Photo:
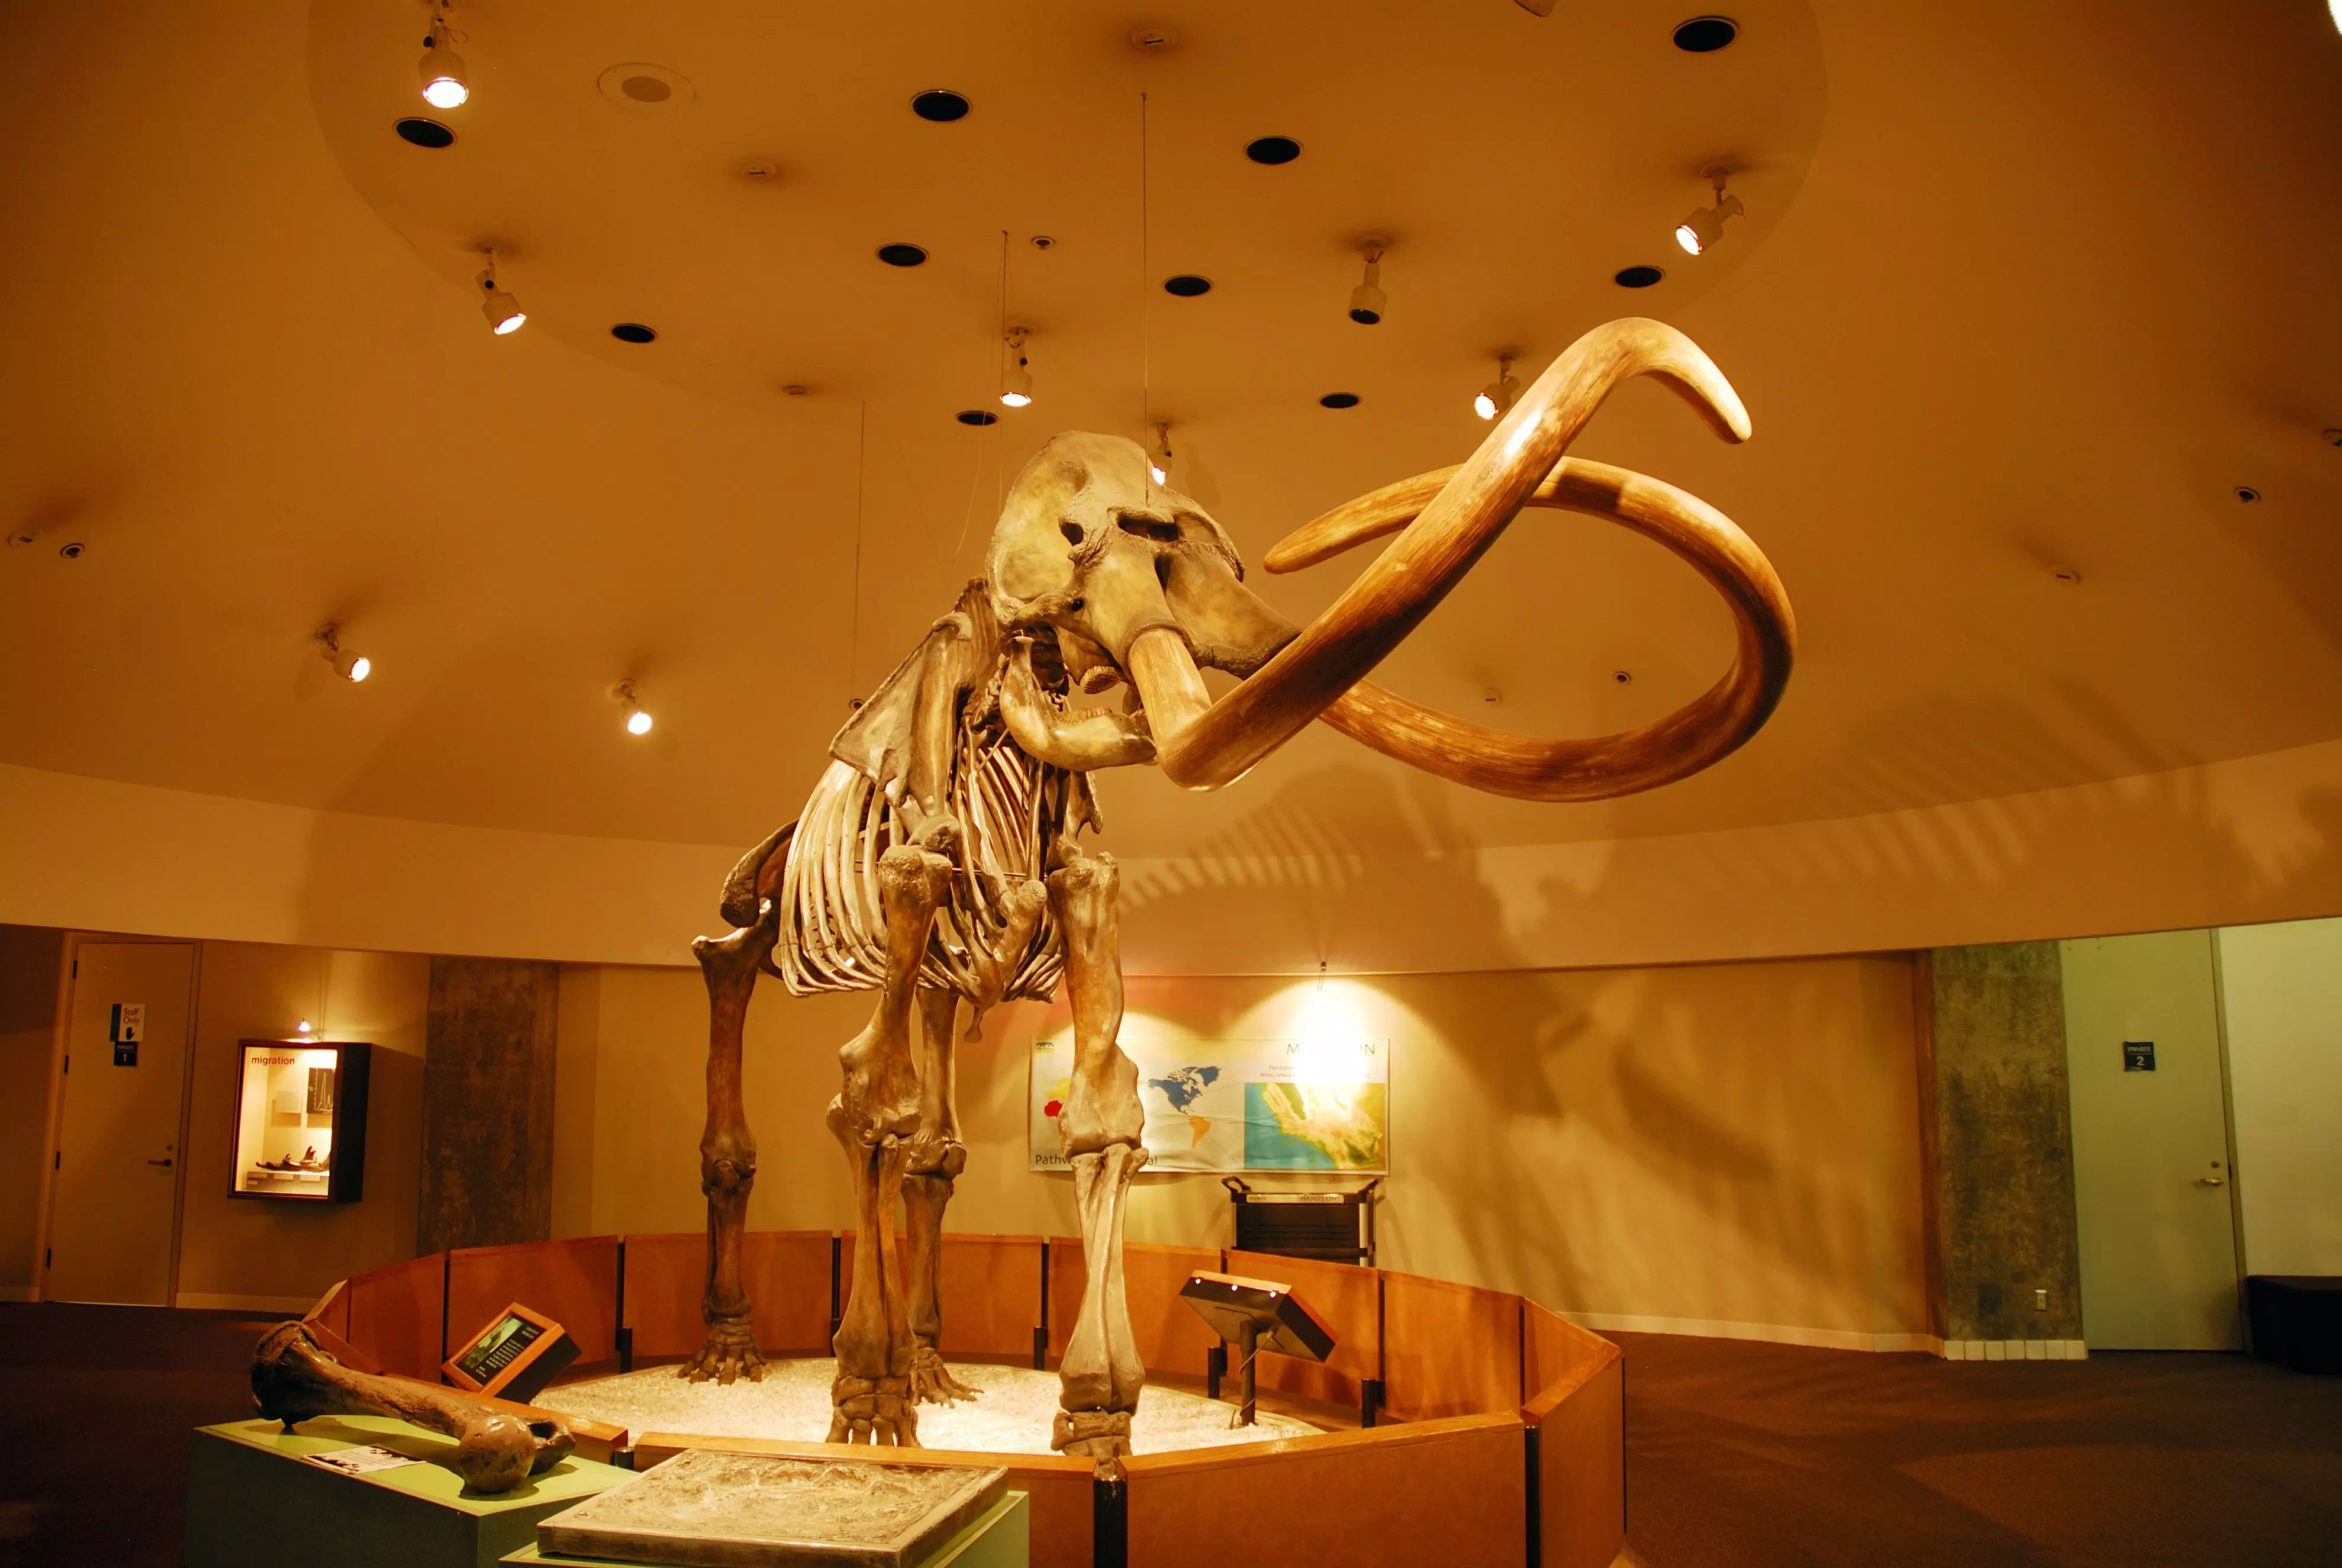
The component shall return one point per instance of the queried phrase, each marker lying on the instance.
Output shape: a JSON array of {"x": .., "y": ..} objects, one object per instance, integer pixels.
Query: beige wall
[
  {"x": 1727, "y": 1148},
  {"x": 247, "y": 1252},
  {"x": 2283, "y": 990},
  {"x": 29, "y": 961},
  {"x": 2254, "y": 838}
]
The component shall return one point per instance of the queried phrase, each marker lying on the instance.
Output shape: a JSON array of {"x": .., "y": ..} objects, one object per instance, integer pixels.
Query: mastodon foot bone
[
  {"x": 932, "y": 1381},
  {"x": 1103, "y": 1435},
  {"x": 728, "y": 1352},
  {"x": 294, "y": 1379},
  {"x": 875, "y": 1411}
]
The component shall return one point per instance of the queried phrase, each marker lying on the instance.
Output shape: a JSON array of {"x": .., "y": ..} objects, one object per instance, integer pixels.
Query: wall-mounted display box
[{"x": 300, "y": 1120}]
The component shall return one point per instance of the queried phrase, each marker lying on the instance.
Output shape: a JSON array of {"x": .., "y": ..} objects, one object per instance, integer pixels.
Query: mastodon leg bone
[
  {"x": 727, "y": 1149},
  {"x": 1204, "y": 748},
  {"x": 874, "y": 1119},
  {"x": 292, "y": 1379},
  {"x": 1707, "y": 728}
]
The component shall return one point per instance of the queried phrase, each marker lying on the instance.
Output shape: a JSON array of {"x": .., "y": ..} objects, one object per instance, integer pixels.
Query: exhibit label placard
[{"x": 1237, "y": 1105}]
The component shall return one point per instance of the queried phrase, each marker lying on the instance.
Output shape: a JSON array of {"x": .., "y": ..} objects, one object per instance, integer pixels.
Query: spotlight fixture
[
  {"x": 639, "y": 721},
  {"x": 1498, "y": 397},
  {"x": 348, "y": 663},
  {"x": 1367, "y": 301},
  {"x": 1158, "y": 461},
  {"x": 1016, "y": 386},
  {"x": 1699, "y": 232},
  {"x": 442, "y": 70},
  {"x": 301, "y": 1028},
  {"x": 503, "y": 311}
]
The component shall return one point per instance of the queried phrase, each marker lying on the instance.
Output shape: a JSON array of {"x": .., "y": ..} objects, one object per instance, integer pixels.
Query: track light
[
  {"x": 638, "y": 722},
  {"x": 442, "y": 70},
  {"x": 348, "y": 663},
  {"x": 1158, "y": 462},
  {"x": 1016, "y": 387},
  {"x": 1498, "y": 397},
  {"x": 503, "y": 311},
  {"x": 1700, "y": 231},
  {"x": 1367, "y": 301}
]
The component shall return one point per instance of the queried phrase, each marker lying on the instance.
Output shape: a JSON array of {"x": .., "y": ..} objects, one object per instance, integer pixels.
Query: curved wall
[{"x": 2239, "y": 842}]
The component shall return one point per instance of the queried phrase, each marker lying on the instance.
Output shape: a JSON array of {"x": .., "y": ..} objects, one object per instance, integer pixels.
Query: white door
[
  {"x": 2158, "y": 1239},
  {"x": 117, "y": 1173}
]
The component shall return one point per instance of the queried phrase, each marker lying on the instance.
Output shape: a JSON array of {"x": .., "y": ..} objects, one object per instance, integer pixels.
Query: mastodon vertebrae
[{"x": 935, "y": 862}]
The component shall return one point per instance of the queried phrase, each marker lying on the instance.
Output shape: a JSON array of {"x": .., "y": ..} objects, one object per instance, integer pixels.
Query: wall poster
[{"x": 1237, "y": 1105}]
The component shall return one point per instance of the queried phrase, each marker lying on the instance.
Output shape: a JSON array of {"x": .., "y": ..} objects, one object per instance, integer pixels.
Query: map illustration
[{"x": 1237, "y": 1105}]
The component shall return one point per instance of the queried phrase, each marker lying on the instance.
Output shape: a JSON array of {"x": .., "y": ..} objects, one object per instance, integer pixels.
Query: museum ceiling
[{"x": 2019, "y": 288}]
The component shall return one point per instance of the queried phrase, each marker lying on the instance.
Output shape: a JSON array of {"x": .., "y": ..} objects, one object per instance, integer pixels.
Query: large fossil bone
[
  {"x": 294, "y": 1379},
  {"x": 974, "y": 758}
]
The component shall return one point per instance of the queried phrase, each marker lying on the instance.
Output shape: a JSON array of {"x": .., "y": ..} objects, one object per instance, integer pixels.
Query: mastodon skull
[{"x": 1139, "y": 582}]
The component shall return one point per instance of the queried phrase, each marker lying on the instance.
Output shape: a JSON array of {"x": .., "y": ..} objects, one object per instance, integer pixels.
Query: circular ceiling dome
[{"x": 612, "y": 204}]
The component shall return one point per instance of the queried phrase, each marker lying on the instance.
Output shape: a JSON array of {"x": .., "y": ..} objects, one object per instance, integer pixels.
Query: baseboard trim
[
  {"x": 1774, "y": 1334},
  {"x": 293, "y": 1306}
]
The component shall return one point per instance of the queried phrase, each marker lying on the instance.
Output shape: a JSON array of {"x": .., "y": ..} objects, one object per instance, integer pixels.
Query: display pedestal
[
  {"x": 252, "y": 1497},
  {"x": 1000, "y": 1538}
]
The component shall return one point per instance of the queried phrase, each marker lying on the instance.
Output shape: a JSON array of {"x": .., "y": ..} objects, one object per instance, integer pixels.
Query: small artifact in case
[{"x": 300, "y": 1120}]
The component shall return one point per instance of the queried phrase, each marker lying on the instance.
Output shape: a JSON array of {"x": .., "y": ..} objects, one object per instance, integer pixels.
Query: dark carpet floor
[{"x": 1738, "y": 1455}]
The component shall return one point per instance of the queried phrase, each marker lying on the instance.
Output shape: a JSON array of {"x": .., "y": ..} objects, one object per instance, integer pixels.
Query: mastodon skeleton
[{"x": 935, "y": 862}]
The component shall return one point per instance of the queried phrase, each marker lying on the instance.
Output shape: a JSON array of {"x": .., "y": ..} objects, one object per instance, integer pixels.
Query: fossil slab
[{"x": 748, "y": 1510}]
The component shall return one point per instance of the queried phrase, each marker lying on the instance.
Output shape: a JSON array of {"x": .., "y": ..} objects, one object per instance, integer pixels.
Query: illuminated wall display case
[{"x": 300, "y": 1120}]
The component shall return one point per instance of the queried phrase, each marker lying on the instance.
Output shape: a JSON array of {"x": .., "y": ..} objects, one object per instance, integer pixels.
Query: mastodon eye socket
[
  {"x": 1150, "y": 528},
  {"x": 1073, "y": 532}
]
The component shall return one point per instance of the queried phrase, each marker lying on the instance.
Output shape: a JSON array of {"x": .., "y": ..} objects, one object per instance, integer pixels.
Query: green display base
[
  {"x": 1001, "y": 1538},
  {"x": 252, "y": 1497}
]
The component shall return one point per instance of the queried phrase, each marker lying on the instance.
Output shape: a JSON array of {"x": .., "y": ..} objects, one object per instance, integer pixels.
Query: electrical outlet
[{"x": 2040, "y": 1301}]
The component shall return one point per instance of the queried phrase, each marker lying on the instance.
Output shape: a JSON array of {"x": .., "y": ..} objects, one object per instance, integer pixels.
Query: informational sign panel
[
  {"x": 1237, "y": 1105},
  {"x": 2138, "y": 1056},
  {"x": 127, "y": 1029}
]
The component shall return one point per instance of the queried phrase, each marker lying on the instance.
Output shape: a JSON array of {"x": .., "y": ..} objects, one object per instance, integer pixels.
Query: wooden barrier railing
[{"x": 1509, "y": 1447}]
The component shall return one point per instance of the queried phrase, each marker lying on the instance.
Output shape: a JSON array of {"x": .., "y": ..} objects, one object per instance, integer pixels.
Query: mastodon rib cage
[{"x": 1011, "y": 808}]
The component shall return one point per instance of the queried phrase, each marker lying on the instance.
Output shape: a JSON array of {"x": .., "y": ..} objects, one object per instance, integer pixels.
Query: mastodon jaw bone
[{"x": 1202, "y": 746}]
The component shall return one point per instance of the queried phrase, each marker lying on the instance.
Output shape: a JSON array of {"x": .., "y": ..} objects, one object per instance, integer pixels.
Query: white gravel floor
[{"x": 1013, "y": 1414}]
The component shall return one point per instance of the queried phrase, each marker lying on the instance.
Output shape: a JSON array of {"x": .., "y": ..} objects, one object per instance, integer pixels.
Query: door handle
[
  {"x": 2211, "y": 1180},
  {"x": 163, "y": 1162}
]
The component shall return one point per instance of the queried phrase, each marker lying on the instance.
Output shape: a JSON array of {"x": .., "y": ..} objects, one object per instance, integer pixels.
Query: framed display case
[{"x": 300, "y": 1120}]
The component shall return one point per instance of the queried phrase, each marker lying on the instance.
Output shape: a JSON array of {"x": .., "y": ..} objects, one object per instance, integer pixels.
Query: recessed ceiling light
[
  {"x": 1153, "y": 40},
  {"x": 422, "y": 133},
  {"x": 976, "y": 416},
  {"x": 639, "y": 85},
  {"x": 72, "y": 551},
  {"x": 901, "y": 255},
  {"x": 1273, "y": 150},
  {"x": 2066, "y": 575},
  {"x": 1187, "y": 286},
  {"x": 940, "y": 105},
  {"x": 2247, "y": 495},
  {"x": 1706, "y": 35},
  {"x": 1638, "y": 276},
  {"x": 1339, "y": 400},
  {"x": 633, "y": 332},
  {"x": 1623, "y": 677}
]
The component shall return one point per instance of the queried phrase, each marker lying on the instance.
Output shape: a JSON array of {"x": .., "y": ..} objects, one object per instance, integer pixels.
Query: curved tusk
[
  {"x": 1099, "y": 739},
  {"x": 1709, "y": 727},
  {"x": 1391, "y": 598}
]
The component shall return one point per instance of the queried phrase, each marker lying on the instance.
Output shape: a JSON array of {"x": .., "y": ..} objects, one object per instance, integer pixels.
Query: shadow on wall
[{"x": 1731, "y": 1140}]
